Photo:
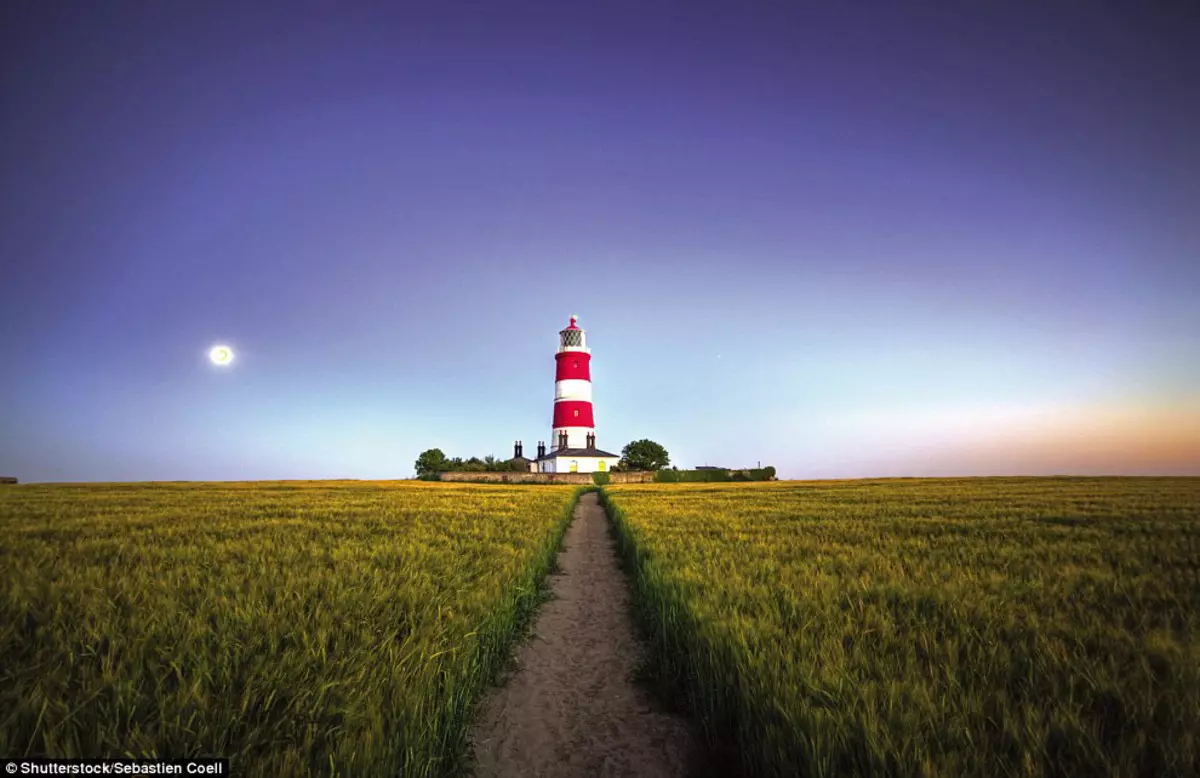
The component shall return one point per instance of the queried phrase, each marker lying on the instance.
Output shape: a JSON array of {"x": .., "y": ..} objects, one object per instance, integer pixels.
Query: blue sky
[{"x": 883, "y": 240}]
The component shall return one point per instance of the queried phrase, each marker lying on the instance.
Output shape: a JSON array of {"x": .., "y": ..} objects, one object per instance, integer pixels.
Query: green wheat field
[
  {"x": 982, "y": 627},
  {"x": 321, "y": 627},
  {"x": 925, "y": 627}
]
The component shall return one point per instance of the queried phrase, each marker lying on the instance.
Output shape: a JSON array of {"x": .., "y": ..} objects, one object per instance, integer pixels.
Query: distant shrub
[
  {"x": 690, "y": 476},
  {"x": 601, "y": 479},
  {"x": 644, "y": 455},
  {"x": 709, "y": 476}
]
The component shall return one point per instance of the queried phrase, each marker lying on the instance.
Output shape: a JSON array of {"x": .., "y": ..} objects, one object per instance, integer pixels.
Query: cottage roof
[{"x": 576, "y": 452}]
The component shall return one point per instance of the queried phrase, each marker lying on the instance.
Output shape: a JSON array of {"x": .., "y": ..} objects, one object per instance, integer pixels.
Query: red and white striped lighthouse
[
  {"x": 573, "y": 425},
  {"x": 573, "y": 432}
]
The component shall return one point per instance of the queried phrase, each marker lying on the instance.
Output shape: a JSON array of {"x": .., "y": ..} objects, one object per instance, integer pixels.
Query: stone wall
[{"x": 547, "y": 478}]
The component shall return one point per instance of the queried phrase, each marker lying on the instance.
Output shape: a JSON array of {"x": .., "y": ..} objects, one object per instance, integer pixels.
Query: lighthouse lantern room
[{"x": 573, "y": 431}]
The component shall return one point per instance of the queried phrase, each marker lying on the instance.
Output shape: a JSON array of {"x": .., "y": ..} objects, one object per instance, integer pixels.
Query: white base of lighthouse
[
  {"x": 576, "y": 437},
  {"x": 571, "y": 463}
]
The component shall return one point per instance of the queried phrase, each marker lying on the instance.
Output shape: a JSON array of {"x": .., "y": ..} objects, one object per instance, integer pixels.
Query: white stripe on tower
[{"x": 573, "y": 389}]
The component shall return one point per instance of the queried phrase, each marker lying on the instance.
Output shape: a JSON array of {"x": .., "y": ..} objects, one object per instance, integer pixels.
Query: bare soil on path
[{"x": 572, "y": 707}]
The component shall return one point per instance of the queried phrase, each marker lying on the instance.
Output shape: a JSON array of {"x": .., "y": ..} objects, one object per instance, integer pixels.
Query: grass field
[
  {"x": 973, "y": 627},
  {"x": 342, "y": 627}
]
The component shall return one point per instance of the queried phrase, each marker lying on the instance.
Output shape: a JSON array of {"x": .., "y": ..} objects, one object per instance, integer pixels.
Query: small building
[
  {"x": 576, "y": 460},
  {"x": 518, "y": 458}
]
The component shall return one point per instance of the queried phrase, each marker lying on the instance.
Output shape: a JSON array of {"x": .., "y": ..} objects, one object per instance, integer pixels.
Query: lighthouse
[{"x": 573, "y": 429}]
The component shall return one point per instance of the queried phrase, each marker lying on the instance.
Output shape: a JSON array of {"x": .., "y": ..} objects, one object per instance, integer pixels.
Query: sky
[{"x": 843, "y": 239}]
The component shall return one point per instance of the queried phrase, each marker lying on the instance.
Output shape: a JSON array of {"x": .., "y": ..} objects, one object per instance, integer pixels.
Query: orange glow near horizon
[
  {"x": 1098, "y": 440},
  {"x": 1125, "y": 439}
]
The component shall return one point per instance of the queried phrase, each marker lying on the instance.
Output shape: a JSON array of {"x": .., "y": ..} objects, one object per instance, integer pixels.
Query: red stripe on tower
[
  {"x": 574, "y": 426},
  {"x": 573, "y": 364},
  {"x": 573, "y": 413}
]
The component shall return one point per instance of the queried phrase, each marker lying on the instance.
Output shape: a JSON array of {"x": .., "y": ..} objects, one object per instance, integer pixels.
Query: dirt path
[{"x": 571, "y": 709}]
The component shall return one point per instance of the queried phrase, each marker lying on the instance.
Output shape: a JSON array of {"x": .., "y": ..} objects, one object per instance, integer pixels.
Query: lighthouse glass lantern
[{"x": 572, "y": 338}]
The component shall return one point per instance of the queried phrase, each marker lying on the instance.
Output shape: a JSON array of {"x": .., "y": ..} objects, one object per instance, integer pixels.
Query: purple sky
[{"x": 843, "y": 239}]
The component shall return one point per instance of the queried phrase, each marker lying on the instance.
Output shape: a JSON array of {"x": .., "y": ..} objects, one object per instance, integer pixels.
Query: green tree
[
  {"x": 431, "y": 461},
  {"x": 644, "y": 455}
]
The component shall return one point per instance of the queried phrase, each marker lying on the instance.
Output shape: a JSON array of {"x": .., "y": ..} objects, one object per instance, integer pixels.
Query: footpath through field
[{"x": 572, "y": 708}]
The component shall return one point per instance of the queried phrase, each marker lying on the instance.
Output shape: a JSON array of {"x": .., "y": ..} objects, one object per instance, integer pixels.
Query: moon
[{"x": 220, "y": 355}]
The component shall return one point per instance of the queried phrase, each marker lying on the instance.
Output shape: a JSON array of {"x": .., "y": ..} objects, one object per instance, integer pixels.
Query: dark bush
[
  {"x": 690, "y": 476},
  {"x": 709, "y": 476}
]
